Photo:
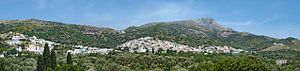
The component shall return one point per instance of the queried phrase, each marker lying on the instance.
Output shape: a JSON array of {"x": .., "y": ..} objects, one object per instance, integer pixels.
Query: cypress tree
[
  {"x": 2, "y": 64},
  {"x": 147, "y": 50},
  {"x": 46, "y": 56},
  {"x": 40, "y": 64},
  {"x": 153, "y": 51},
  {"x": 53, "y": 59},
  {"x": 69, "y": 58}
]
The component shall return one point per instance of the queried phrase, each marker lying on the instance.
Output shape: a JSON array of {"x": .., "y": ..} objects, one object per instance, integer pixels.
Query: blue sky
[{"x": 275, "y": 18}]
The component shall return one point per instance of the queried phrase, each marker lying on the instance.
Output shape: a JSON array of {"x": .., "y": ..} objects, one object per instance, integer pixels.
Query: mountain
[
  {"x": 60, "y": 32},
  {"x": 177, "y": 45},
  {"x": 202, "y": 31},
  {"x": 194, "y": 33},
  {"x": 205, "y": 24}
]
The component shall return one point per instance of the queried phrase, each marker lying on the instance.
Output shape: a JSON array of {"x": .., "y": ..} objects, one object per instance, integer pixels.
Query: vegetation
[
  {"x": 47, "y": 56},
  {"x": 68, "y": 67},
  {"x": 179, "y": 32},
  {"x": 61, "y": 33},
  {"x": 41, "y": 65},
  {"x": 3, "y": 47},
  {"x": 69, "y": 59},
  {"x": 125, "y": 61},
  {"x": 53, "y": 59},
  {"x": 183, "y": 32},
  {"x": 292, "y": 57}
]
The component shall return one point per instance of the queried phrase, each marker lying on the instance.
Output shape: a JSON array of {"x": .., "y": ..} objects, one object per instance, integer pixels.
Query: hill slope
[
  {"x": 60, "y": 32},
  {"x": 203, "y": 31},
  {"x": 194, "y": 33}
]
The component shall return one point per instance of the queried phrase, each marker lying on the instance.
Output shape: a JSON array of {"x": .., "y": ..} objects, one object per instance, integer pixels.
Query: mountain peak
[
  {"x": 204, "y": 22},
  {"x": 207, "y": 20},
  {"x": 208, "y": 23}
]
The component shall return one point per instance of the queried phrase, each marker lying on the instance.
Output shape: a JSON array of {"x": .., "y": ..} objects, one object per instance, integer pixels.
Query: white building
[
  {"x": 1, "y": 55},
  {"x": 281, "y": 62},
  {"x": 15, "y": 40},
  {"x": 142, "y": 44},
  {"x": 19, "y": 49},
  {"x": 37, "y": 45},
  {"x": 86, "y": 50}
]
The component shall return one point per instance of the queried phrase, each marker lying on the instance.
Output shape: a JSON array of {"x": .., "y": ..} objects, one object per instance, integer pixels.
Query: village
[
  {"x": 152, "y": 44},
  {"x": 35, "y": 45},
  {"x": 147, "y": 44}
]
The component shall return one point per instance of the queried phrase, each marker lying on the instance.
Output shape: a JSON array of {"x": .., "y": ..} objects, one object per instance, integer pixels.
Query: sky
[{"x": 274, "y": 18}]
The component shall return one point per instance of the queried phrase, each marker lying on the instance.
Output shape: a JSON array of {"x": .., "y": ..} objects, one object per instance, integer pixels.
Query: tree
[
  {"x": 126, "y": 49},
  {"x": 68, "y": 67},
  {"x": 169, "y": 51},
  {"x": 53, "y": 59},
  {"x": 160, "y": 50},
  {"x": 152, "y": 50},
  {"x": 2, "y": 64},
  {"x": 112, "y": 53},
  {"x": 40, "y": 64},
  {"x": 12, "y": 51},
  {"x": 69, "y": 58},
  {"x": 46, "y": 56},
  {"x": 147, "y": 50},
  {"x": 242, "y": 63}
]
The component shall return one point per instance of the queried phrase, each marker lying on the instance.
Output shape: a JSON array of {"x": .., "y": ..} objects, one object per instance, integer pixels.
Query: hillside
[
  {"x": 203, "y": 31},
  {"x": 199, "y": 44},
  {"x": 150, "y": 44},
  {"x": 194, "y": 33},
  {"x": 60, "y": 32}
]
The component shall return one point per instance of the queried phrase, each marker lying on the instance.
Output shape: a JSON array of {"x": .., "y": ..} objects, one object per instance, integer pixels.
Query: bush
[{"x": 68, "y": 67}]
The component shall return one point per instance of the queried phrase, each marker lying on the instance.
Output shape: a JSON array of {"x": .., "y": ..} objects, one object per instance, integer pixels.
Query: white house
[
  {"x": 15, "y": 40},
  {"x": 1, "y": 55},
  {"x": 281, "y": 62},
  {"x": 19, "y": 49},
  {"x": 84, "y": 49}
]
